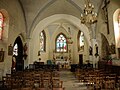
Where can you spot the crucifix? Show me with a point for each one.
(105, 10)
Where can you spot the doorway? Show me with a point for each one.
(118, 52)
(18, 52)
(81, 60)
(104, 47)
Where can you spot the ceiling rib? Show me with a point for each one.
(40, 11)
(75, 5)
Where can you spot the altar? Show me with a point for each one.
(61, 62)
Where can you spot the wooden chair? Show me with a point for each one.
(29, 83)
(8, 75)
(4, 80)
(15, 84)
(45, 83)
(37, 83)
(41, 89)
(58, 89)
(118, 81)
(110, 84)
(57, 84)
(99, 83)
(56, 74)
(26, 88)
(7, 82)
(16, 89)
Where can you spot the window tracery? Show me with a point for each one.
(42, 41)
(61, 43)
(1, 24)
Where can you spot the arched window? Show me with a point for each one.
(61, 43)
(42, 41)
(1, 24)
(15, 50)
(116, 21)
(119, 20)
(118, 31)
(80, 41)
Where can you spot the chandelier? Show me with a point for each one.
(88, 17)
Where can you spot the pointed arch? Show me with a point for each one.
(61, 43)
(18, 46)
(80, 39)
(116, 22)
(42, 41)
(1, 24)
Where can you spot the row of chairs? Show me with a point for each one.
(32, 79)
(98, 79)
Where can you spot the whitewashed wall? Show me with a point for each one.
(52, 32)
(102, 27)
(13, 27)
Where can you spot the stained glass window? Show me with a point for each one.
(117, 34)
(1, 24)
(61, 43)
(119, 20)
(15, 50)
(81, 41)
(42, 41)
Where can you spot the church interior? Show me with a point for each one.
(59, 44)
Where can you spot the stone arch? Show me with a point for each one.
(116, 28)
(19, 58)
(72, 19)
(47, 21)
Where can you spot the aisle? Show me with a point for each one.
(70, 82)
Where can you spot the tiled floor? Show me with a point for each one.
(70, 82)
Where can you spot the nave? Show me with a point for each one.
(81, 79)
(32, 80)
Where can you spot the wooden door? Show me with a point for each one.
(81, 60)
(119, 52)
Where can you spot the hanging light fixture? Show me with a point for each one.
(89, 16)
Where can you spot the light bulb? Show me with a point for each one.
(92, 6)
(81, 15)
(95, 14)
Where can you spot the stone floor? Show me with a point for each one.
(70, 82)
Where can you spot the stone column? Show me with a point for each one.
(94, 43)
(92, 56)
(26, 61)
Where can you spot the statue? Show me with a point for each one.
(90, 50)
(13, 62)
(96, 54)
(25, 51)
(112, 48)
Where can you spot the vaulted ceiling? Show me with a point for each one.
(36, 10)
